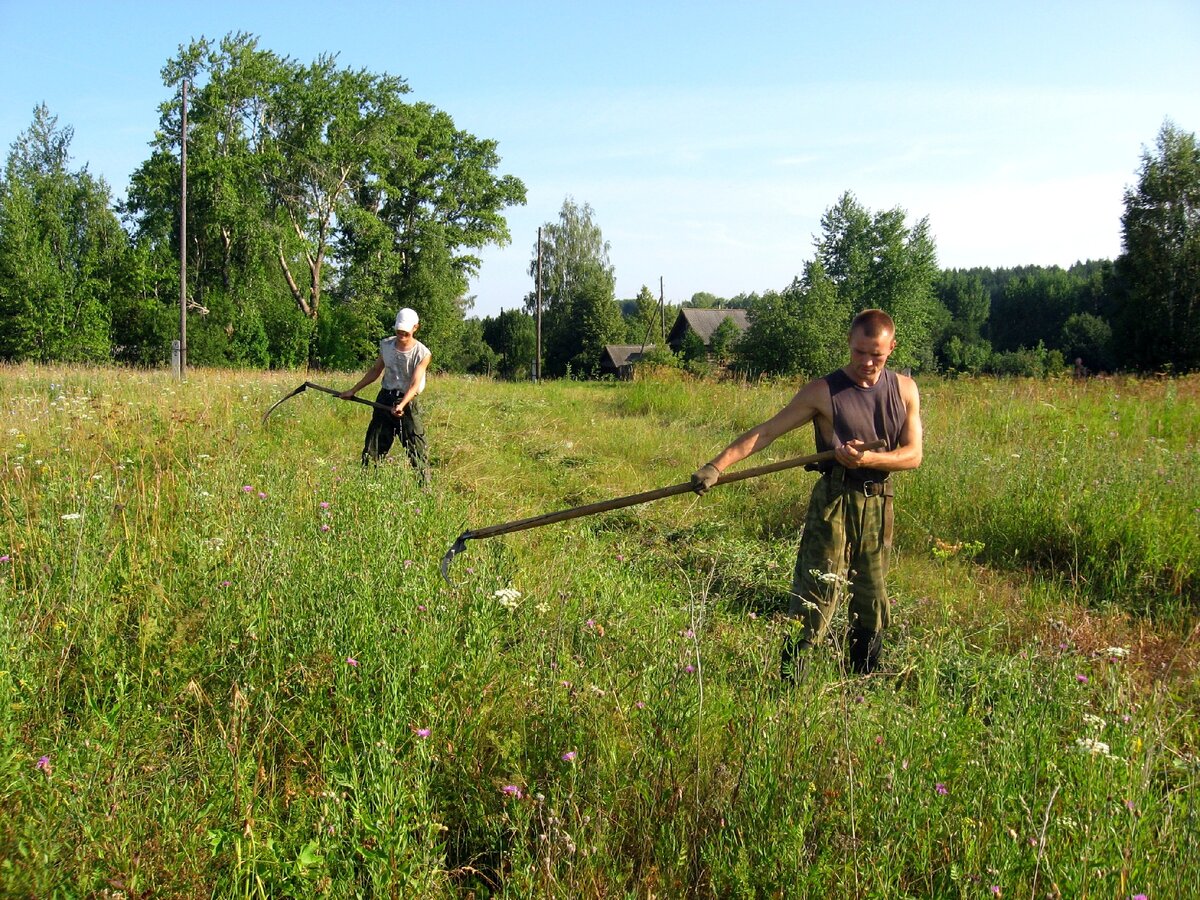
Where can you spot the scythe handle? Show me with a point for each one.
(337, 393)
(590, 509)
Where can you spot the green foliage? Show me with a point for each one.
(875, 260)
(723, 340)
(512, 335)
(1159, 311)
(62, 251)
(579, 313)
(313, 182)
(207, 693)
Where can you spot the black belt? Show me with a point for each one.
(871, 487)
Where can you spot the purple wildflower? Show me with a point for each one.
(43, 765)
(569, 756)
(1082, 679)
(940, 789)
(422, 732)
(689, 668)
(324, 504)
(5, 558)
(325, 526)
(511, 790)
(351, 661)
(248, 488)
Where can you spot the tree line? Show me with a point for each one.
(321, 198)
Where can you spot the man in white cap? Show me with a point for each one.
(402, 361)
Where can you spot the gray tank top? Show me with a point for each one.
(867, 413)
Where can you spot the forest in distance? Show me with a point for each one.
(302, 242)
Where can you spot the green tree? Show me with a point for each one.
(315, 180)
(1089, 338)
(512, 335)
(876, 260)
(723, 339)
(63, 253)
(580, 314)
(1159, 312)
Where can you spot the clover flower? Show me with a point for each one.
(511, 790)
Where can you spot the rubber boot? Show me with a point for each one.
(862, 650)
(793, 660)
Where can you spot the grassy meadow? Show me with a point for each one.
(229, 666)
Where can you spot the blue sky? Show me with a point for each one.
(709, 138)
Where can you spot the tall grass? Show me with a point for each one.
(230, 666)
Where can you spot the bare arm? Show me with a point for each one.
(909, 450)
(371, 374)
(810, 401)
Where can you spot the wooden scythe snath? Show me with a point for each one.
(327, 390)
(589, 509)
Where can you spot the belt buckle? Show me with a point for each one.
(869, 487)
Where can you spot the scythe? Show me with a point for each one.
(327, 390)
(809, 462)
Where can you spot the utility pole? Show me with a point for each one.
(183, 240)
(662, 309)
(537, 362)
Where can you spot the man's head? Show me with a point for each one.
(407, 323)
(872, 340)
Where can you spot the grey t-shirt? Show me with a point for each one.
(399, 365)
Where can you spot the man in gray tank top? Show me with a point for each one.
(403, 362)
(847, 535)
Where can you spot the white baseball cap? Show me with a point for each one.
(407, 320)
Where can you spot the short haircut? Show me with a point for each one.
(872, 323)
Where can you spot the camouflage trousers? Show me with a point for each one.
(845, 547)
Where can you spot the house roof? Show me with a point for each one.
(705, 321)
(621, 354)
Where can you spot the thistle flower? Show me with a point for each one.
(569, 756)
(422, 732)
(940, 789)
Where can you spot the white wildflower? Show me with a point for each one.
(1093, 747)
(1094, 721)
(1116, 652)
(72, 517)
(508, 597)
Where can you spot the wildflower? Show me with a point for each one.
(1116, 652)
(620, 557)
(247, 488)
(408, 563)
(508, 597)
(569, 756)
(511, 790)
(5, 558)
(1138, 897)
(422, 732)
(1094, 721)
(940, 789)
(324, 526)
(995, 890)
(420, 607)
(43, 765)
(688, 633)
(689, 668)
(226, 584)
(1093, 747)
(351, 661)
(262, 495)
(72, 517)
(324, 504)
(1082, 679)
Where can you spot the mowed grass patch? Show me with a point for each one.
(231, 666)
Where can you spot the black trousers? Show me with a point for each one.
(385, 428)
